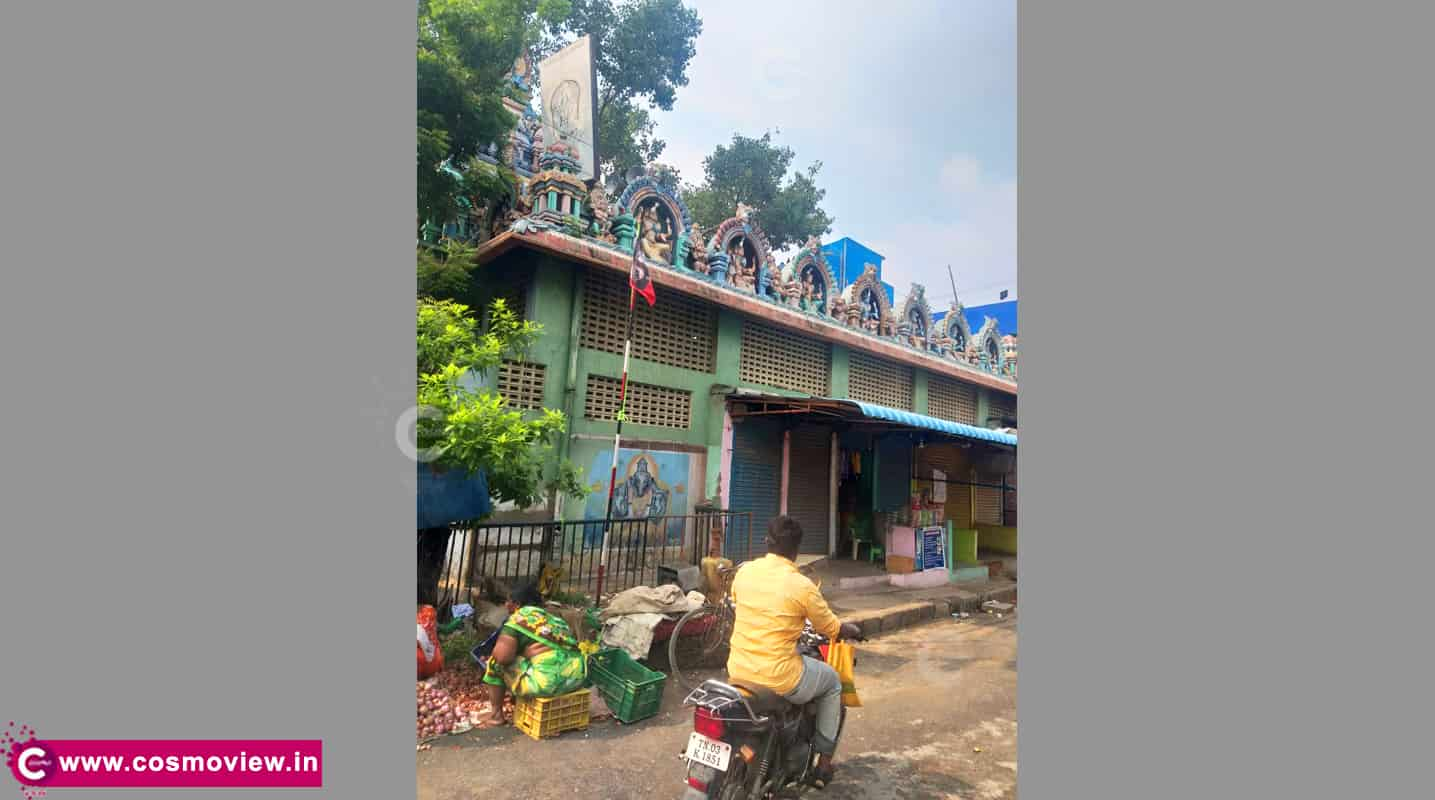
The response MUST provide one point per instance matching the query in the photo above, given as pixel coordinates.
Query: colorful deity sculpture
(698, 254)
(602, 211)
(888, 327)
(788, 289)
(838, 308)
(655, 242)
(665, 232)
(914, 324)
(810, 296)
(742, 271)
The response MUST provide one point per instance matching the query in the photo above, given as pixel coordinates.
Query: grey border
(1218, 399)
(205, 320)
(206, 313)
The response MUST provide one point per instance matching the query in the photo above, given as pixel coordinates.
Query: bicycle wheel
(691, 649)
(717, 636)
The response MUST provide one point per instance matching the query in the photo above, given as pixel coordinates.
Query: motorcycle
(749, 742)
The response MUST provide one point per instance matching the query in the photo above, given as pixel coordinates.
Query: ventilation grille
(1001, 408)
(951, 400)
(658, 406)
(521, 384)
(775, 357)
(678, 331)
(876, 380)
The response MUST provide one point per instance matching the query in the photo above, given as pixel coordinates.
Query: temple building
(756, 386)
(806, 387)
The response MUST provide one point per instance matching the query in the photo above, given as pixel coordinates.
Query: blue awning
(873, 411)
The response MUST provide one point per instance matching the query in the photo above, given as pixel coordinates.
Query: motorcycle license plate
(709, 751)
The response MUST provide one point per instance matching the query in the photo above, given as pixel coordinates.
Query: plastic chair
(861, 532)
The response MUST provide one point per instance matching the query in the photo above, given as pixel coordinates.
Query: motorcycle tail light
(700, 785)
(706, 723)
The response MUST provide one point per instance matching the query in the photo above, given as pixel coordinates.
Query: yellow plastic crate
(549, 716)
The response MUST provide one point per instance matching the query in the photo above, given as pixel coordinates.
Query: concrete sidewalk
(887, 611)
(883, 609)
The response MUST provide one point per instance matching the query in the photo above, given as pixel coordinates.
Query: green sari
(561, 669)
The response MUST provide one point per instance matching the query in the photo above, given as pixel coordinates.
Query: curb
(906, 615)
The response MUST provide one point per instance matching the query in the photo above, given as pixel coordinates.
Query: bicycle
(713, 622)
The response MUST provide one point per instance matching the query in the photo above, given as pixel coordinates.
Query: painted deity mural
(651, 483)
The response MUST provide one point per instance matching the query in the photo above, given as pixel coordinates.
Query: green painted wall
(841, 372)
(555, 301)
(997, 538)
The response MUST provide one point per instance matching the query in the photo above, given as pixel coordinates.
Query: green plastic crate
(631, 690)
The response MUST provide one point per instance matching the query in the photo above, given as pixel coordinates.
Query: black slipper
(822, 777)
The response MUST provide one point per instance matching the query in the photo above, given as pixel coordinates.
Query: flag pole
(618, 434)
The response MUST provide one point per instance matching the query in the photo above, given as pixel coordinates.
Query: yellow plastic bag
(839, 657)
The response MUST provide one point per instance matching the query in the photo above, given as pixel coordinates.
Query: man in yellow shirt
(773, 601)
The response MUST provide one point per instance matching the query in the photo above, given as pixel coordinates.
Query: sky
(910, 109)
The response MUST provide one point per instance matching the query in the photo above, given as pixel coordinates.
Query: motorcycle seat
(762, 699)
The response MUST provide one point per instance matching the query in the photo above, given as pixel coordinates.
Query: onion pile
(437, 715)
(453, 701)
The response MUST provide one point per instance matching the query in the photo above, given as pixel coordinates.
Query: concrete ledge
(864, 582)
(869, 621)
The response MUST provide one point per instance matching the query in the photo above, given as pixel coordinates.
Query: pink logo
(31, 761)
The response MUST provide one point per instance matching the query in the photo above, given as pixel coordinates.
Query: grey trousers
(820, 683)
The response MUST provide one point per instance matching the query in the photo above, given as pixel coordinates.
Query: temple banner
(569, 98)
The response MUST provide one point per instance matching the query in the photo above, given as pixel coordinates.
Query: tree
(445, 270)
(465, 48)
(643, 50)
(474, 428)
(666, 174)
(751, 171)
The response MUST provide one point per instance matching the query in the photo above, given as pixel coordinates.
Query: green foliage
(627, 137)
(666, 174)
(444, 271)
(457, 646)
(751, 171)
(474, 428)
(484, 182)
(465, 47)
(567, 598)
(643, 51)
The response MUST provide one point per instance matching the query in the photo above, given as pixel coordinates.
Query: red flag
(638, 279)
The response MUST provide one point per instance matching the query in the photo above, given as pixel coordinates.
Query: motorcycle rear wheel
(734, 785)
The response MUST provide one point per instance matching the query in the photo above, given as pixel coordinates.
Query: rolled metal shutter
(989, 502)
(1010, 502)
(756, 482)
(949, 459)
(808, 484)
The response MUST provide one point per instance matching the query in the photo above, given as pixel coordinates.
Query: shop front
(849, 471)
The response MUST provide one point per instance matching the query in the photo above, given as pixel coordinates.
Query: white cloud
(961, 174)
(978, 240)
(913, 127)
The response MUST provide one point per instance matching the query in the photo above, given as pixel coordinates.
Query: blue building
(847, 257)
(1004, 313)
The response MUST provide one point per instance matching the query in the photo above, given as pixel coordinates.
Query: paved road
(938, 721)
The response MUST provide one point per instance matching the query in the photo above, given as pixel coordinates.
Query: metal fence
(509, 552)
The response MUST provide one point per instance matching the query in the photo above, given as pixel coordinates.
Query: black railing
(509, 552)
